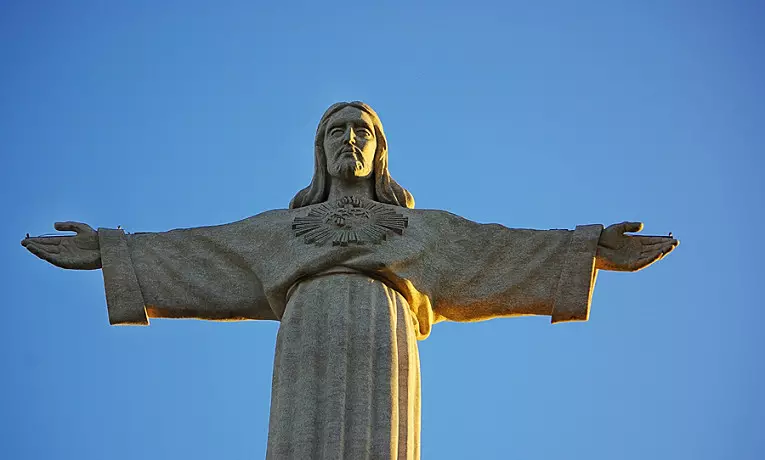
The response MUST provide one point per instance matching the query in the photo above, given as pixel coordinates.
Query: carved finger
(648, 257)
(45, 240)
(646, 240)
(628, 227)
(655, 248)
(671, 247)
(42, 253)
(52, 248)
(646, 261)
(71, 226)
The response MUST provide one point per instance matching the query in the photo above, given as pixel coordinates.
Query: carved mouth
(351, 152)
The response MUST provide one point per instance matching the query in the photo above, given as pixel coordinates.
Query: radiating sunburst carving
(350, 220)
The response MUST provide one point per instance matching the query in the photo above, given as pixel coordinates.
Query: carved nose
(350, 137)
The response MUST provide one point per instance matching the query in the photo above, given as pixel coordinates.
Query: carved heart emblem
(350, 220)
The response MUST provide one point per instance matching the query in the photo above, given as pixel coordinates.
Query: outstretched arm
(189, 273)
(486, 271)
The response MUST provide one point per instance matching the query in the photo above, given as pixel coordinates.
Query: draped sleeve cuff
(574, 293)
(123, 294)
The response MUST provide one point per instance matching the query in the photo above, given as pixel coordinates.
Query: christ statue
(356, 276)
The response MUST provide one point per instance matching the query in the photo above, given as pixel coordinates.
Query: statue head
(367, 161)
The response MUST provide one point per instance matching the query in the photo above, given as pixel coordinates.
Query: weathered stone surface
(355, 275)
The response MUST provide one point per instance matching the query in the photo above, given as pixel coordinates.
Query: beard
(346, 166)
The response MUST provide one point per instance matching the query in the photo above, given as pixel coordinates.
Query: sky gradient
(159, 115)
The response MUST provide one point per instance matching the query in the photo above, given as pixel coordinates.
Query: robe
(351, 306)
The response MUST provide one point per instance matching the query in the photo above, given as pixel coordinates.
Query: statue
(356, 276)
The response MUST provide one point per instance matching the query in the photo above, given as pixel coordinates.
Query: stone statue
(356, 276)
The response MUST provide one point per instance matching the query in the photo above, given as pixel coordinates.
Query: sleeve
(486, 271)
(202, 273)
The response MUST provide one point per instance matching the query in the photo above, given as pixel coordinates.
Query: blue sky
(158, 115)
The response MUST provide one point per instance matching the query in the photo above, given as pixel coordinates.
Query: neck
(362, 188)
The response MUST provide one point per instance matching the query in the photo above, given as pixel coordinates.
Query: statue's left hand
(78, 252)
(630, 253)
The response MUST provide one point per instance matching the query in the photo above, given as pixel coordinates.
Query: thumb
(70, 226)
(628, 227)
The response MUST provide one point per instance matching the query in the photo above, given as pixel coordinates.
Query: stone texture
(346, 373)
(356, 276)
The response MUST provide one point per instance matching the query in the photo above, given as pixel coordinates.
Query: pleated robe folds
(346, 380)
(347, 350)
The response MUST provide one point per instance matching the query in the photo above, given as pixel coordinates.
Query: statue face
(350, 144)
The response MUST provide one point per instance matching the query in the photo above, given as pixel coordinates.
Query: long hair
(387, 190)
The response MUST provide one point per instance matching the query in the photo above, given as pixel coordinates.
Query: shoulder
(436, 216)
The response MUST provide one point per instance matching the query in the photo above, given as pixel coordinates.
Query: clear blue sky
(157, 115)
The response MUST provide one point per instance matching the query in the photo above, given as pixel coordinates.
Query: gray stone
(356, 276)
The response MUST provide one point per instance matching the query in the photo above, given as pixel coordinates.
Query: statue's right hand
(77, 252)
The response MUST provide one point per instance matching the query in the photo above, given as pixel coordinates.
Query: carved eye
(364, 132)
(336, 132)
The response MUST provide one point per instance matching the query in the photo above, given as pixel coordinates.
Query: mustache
(347, 149)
